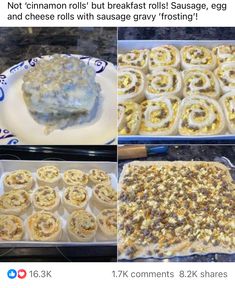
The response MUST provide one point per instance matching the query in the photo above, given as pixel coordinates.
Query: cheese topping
(18, 179)
(197, 55)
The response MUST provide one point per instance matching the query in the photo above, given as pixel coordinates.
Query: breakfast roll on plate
(196, 57)
(163, 81)
(160, 116)
(135, 59)
(129, 118)
(131, 85)
(201, 115)
(166, 55)
(198, 81)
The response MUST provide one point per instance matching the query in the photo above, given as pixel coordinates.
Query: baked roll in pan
(107, 223)
(166, 55)
(135, 59)
(104, 196)
(200, 82)
(75, 197)
(48, 175)
(163, 81)
(81, 226)
(46, 198)
(131, 85)
(224, 53)
(228, 103)
(12, 228)
(98, 176)
(14, 202)
(75, 177)
(196, 57)
(160, 116)
(129, 118)
(226, 75)
(19, 179)
(200, 115)
(44, 226)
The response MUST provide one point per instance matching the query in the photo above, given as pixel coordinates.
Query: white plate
(18, 127)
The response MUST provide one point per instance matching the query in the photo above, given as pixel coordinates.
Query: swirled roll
(228, 103)
(48, 175)
(224, 53)
(135, 59)
(14, 202)
(131, 85)
(104, 196)
(160, 116)
(46, 198)
(226, 75)
(107, 223)
(75, 177)
(19, 179)
(166, 55)
(75, 197)
(44, 226)
(200, 82)
(197, 56)
(129, 118)
(81, 226)
(11, 228)
(98, 176)
(201, 115)
(163, 81)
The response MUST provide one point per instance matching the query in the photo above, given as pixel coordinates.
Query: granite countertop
(17, 44)
(176, 33)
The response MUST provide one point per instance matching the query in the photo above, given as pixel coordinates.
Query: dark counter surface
(176, 33)
(18, 44)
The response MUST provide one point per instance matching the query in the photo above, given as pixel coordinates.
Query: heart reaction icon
(22, 274)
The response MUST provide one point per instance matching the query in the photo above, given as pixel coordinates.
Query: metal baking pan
(223, 154)
(11, 165)
(127, 45)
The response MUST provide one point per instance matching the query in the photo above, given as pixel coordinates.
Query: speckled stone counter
(196, 153)
(176, 33)
(17, 44)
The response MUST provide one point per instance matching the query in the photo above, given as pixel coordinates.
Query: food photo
(175, 89)
(63, 207)
(60, 88)
(176, 204)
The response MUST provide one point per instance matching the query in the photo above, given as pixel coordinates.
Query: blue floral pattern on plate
(5, 135)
